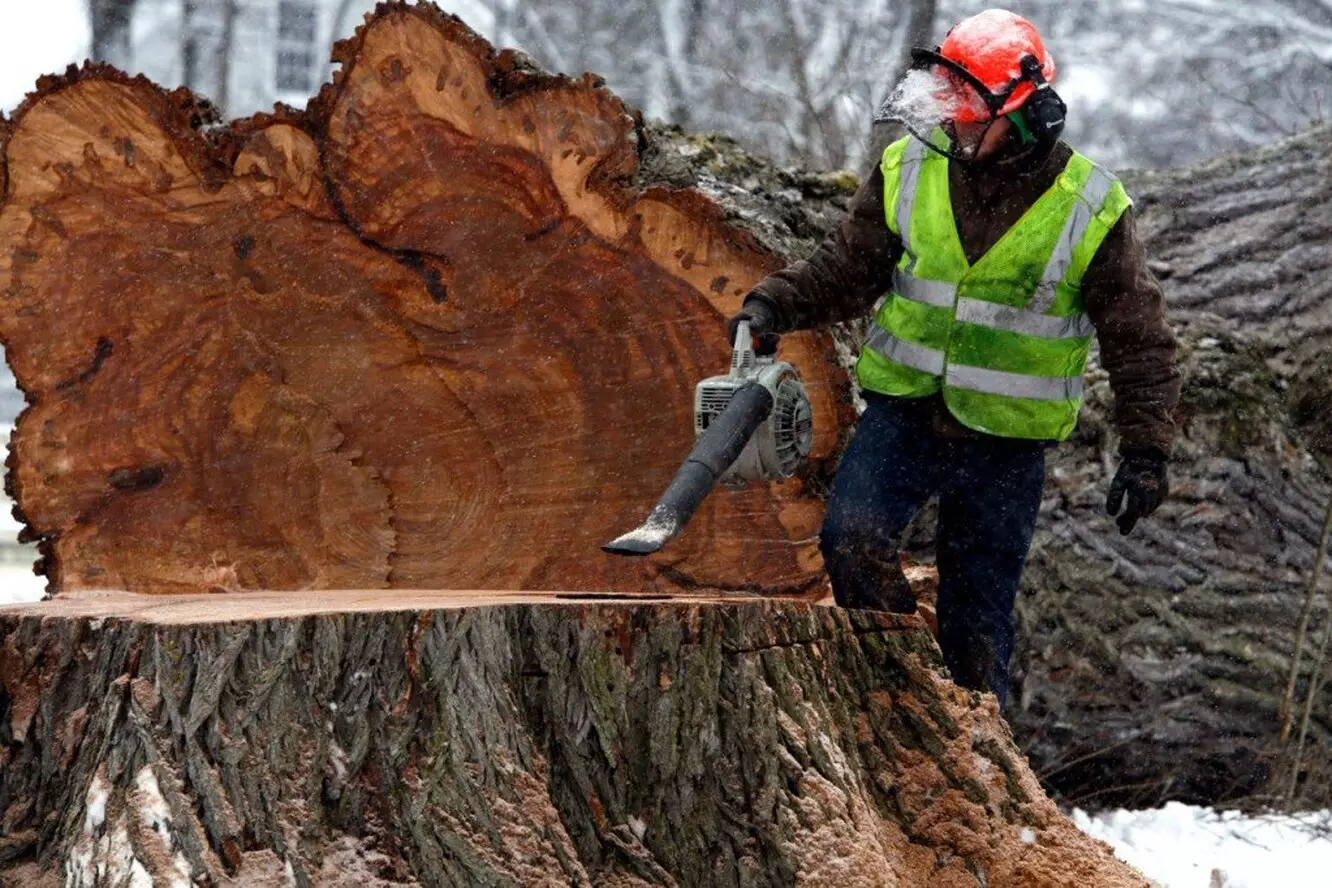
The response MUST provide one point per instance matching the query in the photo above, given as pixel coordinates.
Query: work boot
(972, 667)
(882, 588)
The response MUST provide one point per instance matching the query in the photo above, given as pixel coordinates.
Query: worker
(998, 251)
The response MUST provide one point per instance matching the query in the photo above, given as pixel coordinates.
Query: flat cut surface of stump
(440, 739)
(431, 332)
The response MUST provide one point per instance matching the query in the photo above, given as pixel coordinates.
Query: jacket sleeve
(1125, 303)
(844, 276)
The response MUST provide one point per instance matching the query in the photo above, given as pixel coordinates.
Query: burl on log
(432, 332)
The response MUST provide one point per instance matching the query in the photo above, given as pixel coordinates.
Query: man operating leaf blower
(1001, 251)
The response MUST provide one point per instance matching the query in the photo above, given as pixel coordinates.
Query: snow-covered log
(377, 739)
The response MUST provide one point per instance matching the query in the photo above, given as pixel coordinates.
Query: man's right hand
(761, 321)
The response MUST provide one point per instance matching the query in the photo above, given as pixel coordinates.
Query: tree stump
(438, 330)
(386, 739)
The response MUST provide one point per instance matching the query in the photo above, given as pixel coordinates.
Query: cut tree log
(284, 269)
(439, 330)
(378, 739)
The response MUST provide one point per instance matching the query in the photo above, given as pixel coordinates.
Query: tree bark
(375, 740)
(1158, 661)
(441, 330)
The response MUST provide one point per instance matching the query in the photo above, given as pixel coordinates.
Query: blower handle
(742, 357)
(717, 448)
(747, 349)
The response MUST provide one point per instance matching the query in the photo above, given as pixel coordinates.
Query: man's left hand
(1143, 481)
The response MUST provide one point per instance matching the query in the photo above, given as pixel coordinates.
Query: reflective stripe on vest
(1093, 195)
(936, 293)
(919, 357)
(1015, 385)
(1020, 320)
(992, 382)
(911, 164)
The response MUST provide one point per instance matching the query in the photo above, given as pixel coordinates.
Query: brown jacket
(854, 267)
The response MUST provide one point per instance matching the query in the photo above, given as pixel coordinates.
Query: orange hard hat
(991, 46)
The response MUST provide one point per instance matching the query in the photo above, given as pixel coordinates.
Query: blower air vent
(793, 426)
(712, 398)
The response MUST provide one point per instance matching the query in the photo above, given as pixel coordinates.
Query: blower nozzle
(717, 448)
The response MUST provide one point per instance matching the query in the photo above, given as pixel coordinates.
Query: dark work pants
(989, 495)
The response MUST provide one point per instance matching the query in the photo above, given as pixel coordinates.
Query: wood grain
(434, 331)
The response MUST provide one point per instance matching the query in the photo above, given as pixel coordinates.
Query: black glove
(761, 319)
(1143, 478)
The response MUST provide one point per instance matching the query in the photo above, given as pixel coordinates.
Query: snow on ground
(1179, 846)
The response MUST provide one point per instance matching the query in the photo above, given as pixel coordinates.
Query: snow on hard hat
(991, 45)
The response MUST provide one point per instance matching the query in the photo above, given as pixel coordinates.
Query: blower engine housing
(781, 444)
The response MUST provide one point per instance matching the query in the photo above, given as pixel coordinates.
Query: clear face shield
(939, 96)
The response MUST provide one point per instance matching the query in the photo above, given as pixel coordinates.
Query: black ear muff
(1044, 113)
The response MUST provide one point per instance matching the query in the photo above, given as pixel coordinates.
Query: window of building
(296, 46)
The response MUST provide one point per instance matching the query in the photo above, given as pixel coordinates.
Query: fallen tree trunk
(425, 739)
(440, 330)
(1155, 665)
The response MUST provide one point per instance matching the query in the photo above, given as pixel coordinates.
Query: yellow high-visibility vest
(1006, 339)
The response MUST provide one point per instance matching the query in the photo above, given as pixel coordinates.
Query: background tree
(798, 80)
(110, 21)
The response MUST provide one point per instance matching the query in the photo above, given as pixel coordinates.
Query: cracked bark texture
(438, 330)
(449, 741)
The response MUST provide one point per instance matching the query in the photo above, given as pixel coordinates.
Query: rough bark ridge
(622, 743)
(438, 330)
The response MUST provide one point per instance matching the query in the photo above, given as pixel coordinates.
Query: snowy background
(1165, 83)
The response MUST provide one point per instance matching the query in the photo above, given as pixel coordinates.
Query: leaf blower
(752, 425)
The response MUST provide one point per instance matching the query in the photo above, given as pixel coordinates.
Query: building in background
(244, 55)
